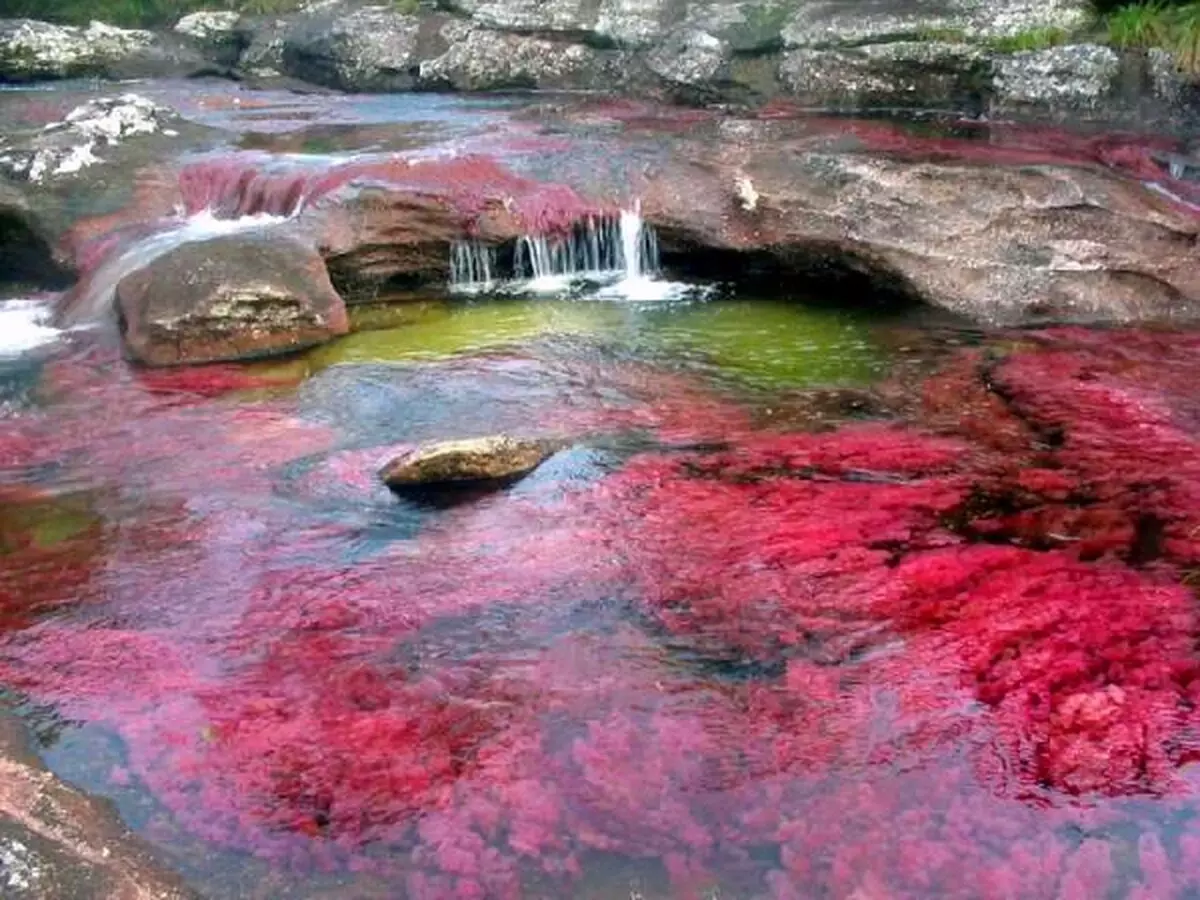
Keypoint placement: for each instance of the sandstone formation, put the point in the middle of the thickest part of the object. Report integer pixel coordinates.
(226, 298)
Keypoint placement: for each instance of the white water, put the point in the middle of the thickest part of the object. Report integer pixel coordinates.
(604, 257)
(472, 267)
(96, 299)
(22, 326)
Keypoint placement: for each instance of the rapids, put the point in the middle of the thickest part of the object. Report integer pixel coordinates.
(818, 602)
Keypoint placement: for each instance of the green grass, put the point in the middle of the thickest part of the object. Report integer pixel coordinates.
(1172, 27)
(1031, 39)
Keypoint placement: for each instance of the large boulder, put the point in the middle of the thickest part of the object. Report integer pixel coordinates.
(217, 34)
(369, 49)
(1002, 243)
(57, 843)
(232, 297)
(31, 50)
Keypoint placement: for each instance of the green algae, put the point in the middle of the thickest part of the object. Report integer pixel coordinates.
(439, 330)
(43, 524)
(761, 342)
(775, 345)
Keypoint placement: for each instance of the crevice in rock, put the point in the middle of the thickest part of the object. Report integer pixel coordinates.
(820, 274)
(26, 257)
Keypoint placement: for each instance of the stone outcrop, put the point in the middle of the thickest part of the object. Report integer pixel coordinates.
(31, 50)
(495, 459)
(57, 843)
(1000, 243)
(1010, 55)
(234, 297)
(71, 145)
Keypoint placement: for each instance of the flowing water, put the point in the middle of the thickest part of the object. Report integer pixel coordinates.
(813, 602)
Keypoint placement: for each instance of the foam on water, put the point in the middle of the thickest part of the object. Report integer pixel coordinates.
(22, 326)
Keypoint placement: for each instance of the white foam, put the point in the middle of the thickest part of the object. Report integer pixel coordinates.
(22, 327)
(97, 300)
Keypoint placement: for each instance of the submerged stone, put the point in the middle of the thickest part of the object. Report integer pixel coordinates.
(488, 460)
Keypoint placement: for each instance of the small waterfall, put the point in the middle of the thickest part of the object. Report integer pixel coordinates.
(472, 267)
(600, 248)
(616, 254)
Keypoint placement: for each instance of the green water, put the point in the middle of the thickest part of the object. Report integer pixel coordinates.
(761, 343)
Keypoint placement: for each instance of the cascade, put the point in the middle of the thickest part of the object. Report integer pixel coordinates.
(619, 252)
(472, 267)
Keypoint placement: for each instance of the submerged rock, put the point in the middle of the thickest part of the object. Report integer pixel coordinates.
(57, 843)
(228, 298)
(486, 460)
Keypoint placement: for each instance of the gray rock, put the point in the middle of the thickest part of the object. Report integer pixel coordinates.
(691, 58)
(1072, 76)
(481, 60)
(924, 74)
(1002, 244)
(841, 23)
(368, 49)
(571, 17)
(218, 34)
(67, 147)
(32, 50)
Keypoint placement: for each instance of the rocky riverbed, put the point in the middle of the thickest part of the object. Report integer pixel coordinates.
(818, 394)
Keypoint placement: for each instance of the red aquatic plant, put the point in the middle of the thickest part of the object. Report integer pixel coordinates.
(933, 658)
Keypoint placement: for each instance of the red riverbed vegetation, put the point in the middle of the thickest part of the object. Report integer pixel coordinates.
(950, 655)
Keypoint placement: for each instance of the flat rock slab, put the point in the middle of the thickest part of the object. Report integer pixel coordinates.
(496, 460)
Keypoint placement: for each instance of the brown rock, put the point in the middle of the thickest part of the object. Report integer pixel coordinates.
(228, 298)
(498, 458)
(57, 843)
(999, 242)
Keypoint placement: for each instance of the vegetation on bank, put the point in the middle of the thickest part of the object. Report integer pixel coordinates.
(1175, 27)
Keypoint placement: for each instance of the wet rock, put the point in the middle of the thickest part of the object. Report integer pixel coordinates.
(496, 459)
(31, 50)
(999, 243)
(216, 33)
(1074, 76)
(68, 146)
(229, 298)
(57, 843)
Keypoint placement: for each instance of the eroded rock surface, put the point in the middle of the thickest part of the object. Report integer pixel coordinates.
(57, 843)
(1000, 243)
(227, 298)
